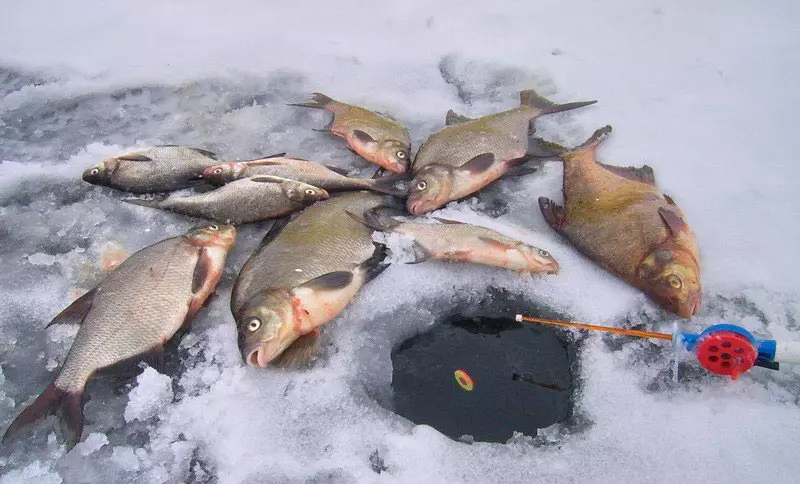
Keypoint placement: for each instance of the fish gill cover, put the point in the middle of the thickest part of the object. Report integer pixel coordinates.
(703, 93)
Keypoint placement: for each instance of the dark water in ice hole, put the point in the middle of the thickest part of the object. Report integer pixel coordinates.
(521, 373)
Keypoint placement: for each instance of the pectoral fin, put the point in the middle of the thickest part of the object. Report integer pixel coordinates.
(206, 276)
(300, 353)
(75, 312)
(674, 222)
(478, 164)
(331, 281)
(553, 213)
(363, 137)
(453, 117)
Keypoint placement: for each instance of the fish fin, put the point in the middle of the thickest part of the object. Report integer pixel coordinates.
(275, 229)
(130, 367)
(336, 169)
(378, 173)
(377, 219)
(209, 154)
(493, 242)
(674, 222)
(521, 170)
(421, 254)
(448, 222)
(256, 161)
(553, 213)
(134, 157)
(395, 185)
(668, 199)
(591, 144)
(320, 101)
(268, 179)
(644, 174)
(330, 281)
(52, 400)
(154, 203)
(300, 353)
(75, 312)
(373, 266)
(363, 137)
(453, 117)
(262, 162)
(321, 130)
(202, 271)
(532, 99)
(478, 164)
(541, 148)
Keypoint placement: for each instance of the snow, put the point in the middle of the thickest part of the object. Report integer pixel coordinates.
(703, 91)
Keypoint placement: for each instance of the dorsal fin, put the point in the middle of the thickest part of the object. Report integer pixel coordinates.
(276, 155)
(207, 153)
(277, 226)
(453, 117)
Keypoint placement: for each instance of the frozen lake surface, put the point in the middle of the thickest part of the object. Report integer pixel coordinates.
(703, 91)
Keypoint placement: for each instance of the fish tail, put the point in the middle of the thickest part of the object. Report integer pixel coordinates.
(532, 99)
(395, 185)
(320, 101)
(542, 148)
(53, 399)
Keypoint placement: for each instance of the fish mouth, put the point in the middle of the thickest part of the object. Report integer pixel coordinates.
(690, 308)
(419, 207)
(263, 353)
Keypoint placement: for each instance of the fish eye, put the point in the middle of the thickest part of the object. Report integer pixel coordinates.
(217, 171)
(213, 227)
(310, 192)
(422, 185)
(94, 171)
(544, 253)
(253, 325)
(401, 154)
(674, 281)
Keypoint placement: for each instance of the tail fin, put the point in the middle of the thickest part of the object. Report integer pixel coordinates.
(52, 400)
(155, 203)
(395, 185)
(531, 99)
(320, 101)
(541, 148)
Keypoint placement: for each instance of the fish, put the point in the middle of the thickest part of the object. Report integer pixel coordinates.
(332, 179)
(304, 273)
(161, 168)
(621, 219)
(469, 154)
(129, 316)
(461, 242)
(376, 137)
(246, 200)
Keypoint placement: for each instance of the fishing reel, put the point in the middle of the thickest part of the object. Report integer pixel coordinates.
(730, 350)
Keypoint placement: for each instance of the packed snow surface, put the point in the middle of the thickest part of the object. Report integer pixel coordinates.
(704, 91)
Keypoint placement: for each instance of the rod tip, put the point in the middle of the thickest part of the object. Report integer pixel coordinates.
(518, 318)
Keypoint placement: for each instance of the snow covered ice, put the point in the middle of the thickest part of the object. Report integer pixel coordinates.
(704, 92)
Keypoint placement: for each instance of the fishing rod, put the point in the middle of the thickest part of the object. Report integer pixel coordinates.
(722, 349)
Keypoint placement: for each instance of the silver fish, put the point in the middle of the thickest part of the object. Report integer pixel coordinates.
(466, 156)
(242, 201)
(461, 242)
(160, 168)
(129, 316)
(302, 276)
(328, 178)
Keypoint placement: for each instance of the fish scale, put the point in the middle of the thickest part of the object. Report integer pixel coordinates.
(340, 244)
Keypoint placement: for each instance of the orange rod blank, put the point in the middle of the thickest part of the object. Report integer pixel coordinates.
(630, 332)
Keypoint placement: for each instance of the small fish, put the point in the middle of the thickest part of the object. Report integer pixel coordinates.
(242, 201)
(461, 242)
(155, 169)
(621, 219)
(375, 137)
(129, 317)
(304, 273)
(469, 154)
(328, 178)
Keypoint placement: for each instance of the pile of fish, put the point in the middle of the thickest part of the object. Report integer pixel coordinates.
(320, 250)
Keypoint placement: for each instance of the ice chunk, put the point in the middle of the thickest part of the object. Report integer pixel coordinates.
(153, 391)
(35, 472)
(92, 443)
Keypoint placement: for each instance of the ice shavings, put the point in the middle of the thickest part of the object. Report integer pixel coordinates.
(153, 391)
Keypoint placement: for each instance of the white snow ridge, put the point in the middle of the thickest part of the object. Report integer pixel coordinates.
(703, 91)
